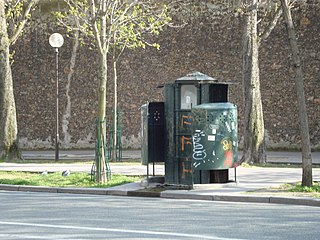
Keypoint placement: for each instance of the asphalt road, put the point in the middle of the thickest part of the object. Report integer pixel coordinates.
(26, 215)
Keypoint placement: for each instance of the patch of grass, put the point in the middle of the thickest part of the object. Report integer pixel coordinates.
(247, 165)
(292, 190)
(299, 188)
(56, 180)
(276, 165)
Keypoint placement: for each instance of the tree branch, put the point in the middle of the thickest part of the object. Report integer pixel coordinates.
(19, 29)
(271, 25)
(95, 24)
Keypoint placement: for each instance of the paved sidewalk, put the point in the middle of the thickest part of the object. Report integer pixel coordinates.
(272, 156)
(248, 179)
(74, 154)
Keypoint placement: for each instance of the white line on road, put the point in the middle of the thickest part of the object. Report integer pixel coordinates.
(172, 234)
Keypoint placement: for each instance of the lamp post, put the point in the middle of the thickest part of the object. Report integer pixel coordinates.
(56, 41)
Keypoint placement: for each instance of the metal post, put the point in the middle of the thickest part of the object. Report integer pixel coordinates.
(56, 41)
(57, 106)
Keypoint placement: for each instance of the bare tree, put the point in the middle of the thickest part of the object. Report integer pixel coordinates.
(254, 131)
(303, 117)
(260, 18)
(102, 20)
(13, 18)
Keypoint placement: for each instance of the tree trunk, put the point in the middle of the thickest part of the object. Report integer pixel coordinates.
(115, 108)
(8, 120)
(254, 135)
(67, 111)
(101, 31)
(303, 117)
(101, 138)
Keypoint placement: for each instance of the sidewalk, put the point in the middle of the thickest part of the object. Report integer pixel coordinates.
(248, 179)
(272, 156)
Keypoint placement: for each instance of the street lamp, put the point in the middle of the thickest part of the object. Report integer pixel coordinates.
(56, 41)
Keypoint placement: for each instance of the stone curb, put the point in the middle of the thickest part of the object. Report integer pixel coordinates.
(93, 191)
(237, 198)
(8, 187)
(38, 189)
(248, 199)
(185, 196)
(296, 201)
(167, 194)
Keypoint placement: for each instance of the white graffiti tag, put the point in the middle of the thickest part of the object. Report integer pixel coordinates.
(199, 153)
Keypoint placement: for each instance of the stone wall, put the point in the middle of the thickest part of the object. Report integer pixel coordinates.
(209, 43)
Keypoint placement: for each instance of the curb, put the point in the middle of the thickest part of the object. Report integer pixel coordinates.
(296, 201)
(167, 194)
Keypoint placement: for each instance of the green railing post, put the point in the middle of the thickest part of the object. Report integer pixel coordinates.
(118, 130)
(101, 148)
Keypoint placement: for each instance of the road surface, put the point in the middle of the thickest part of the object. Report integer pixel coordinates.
(65, 216)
